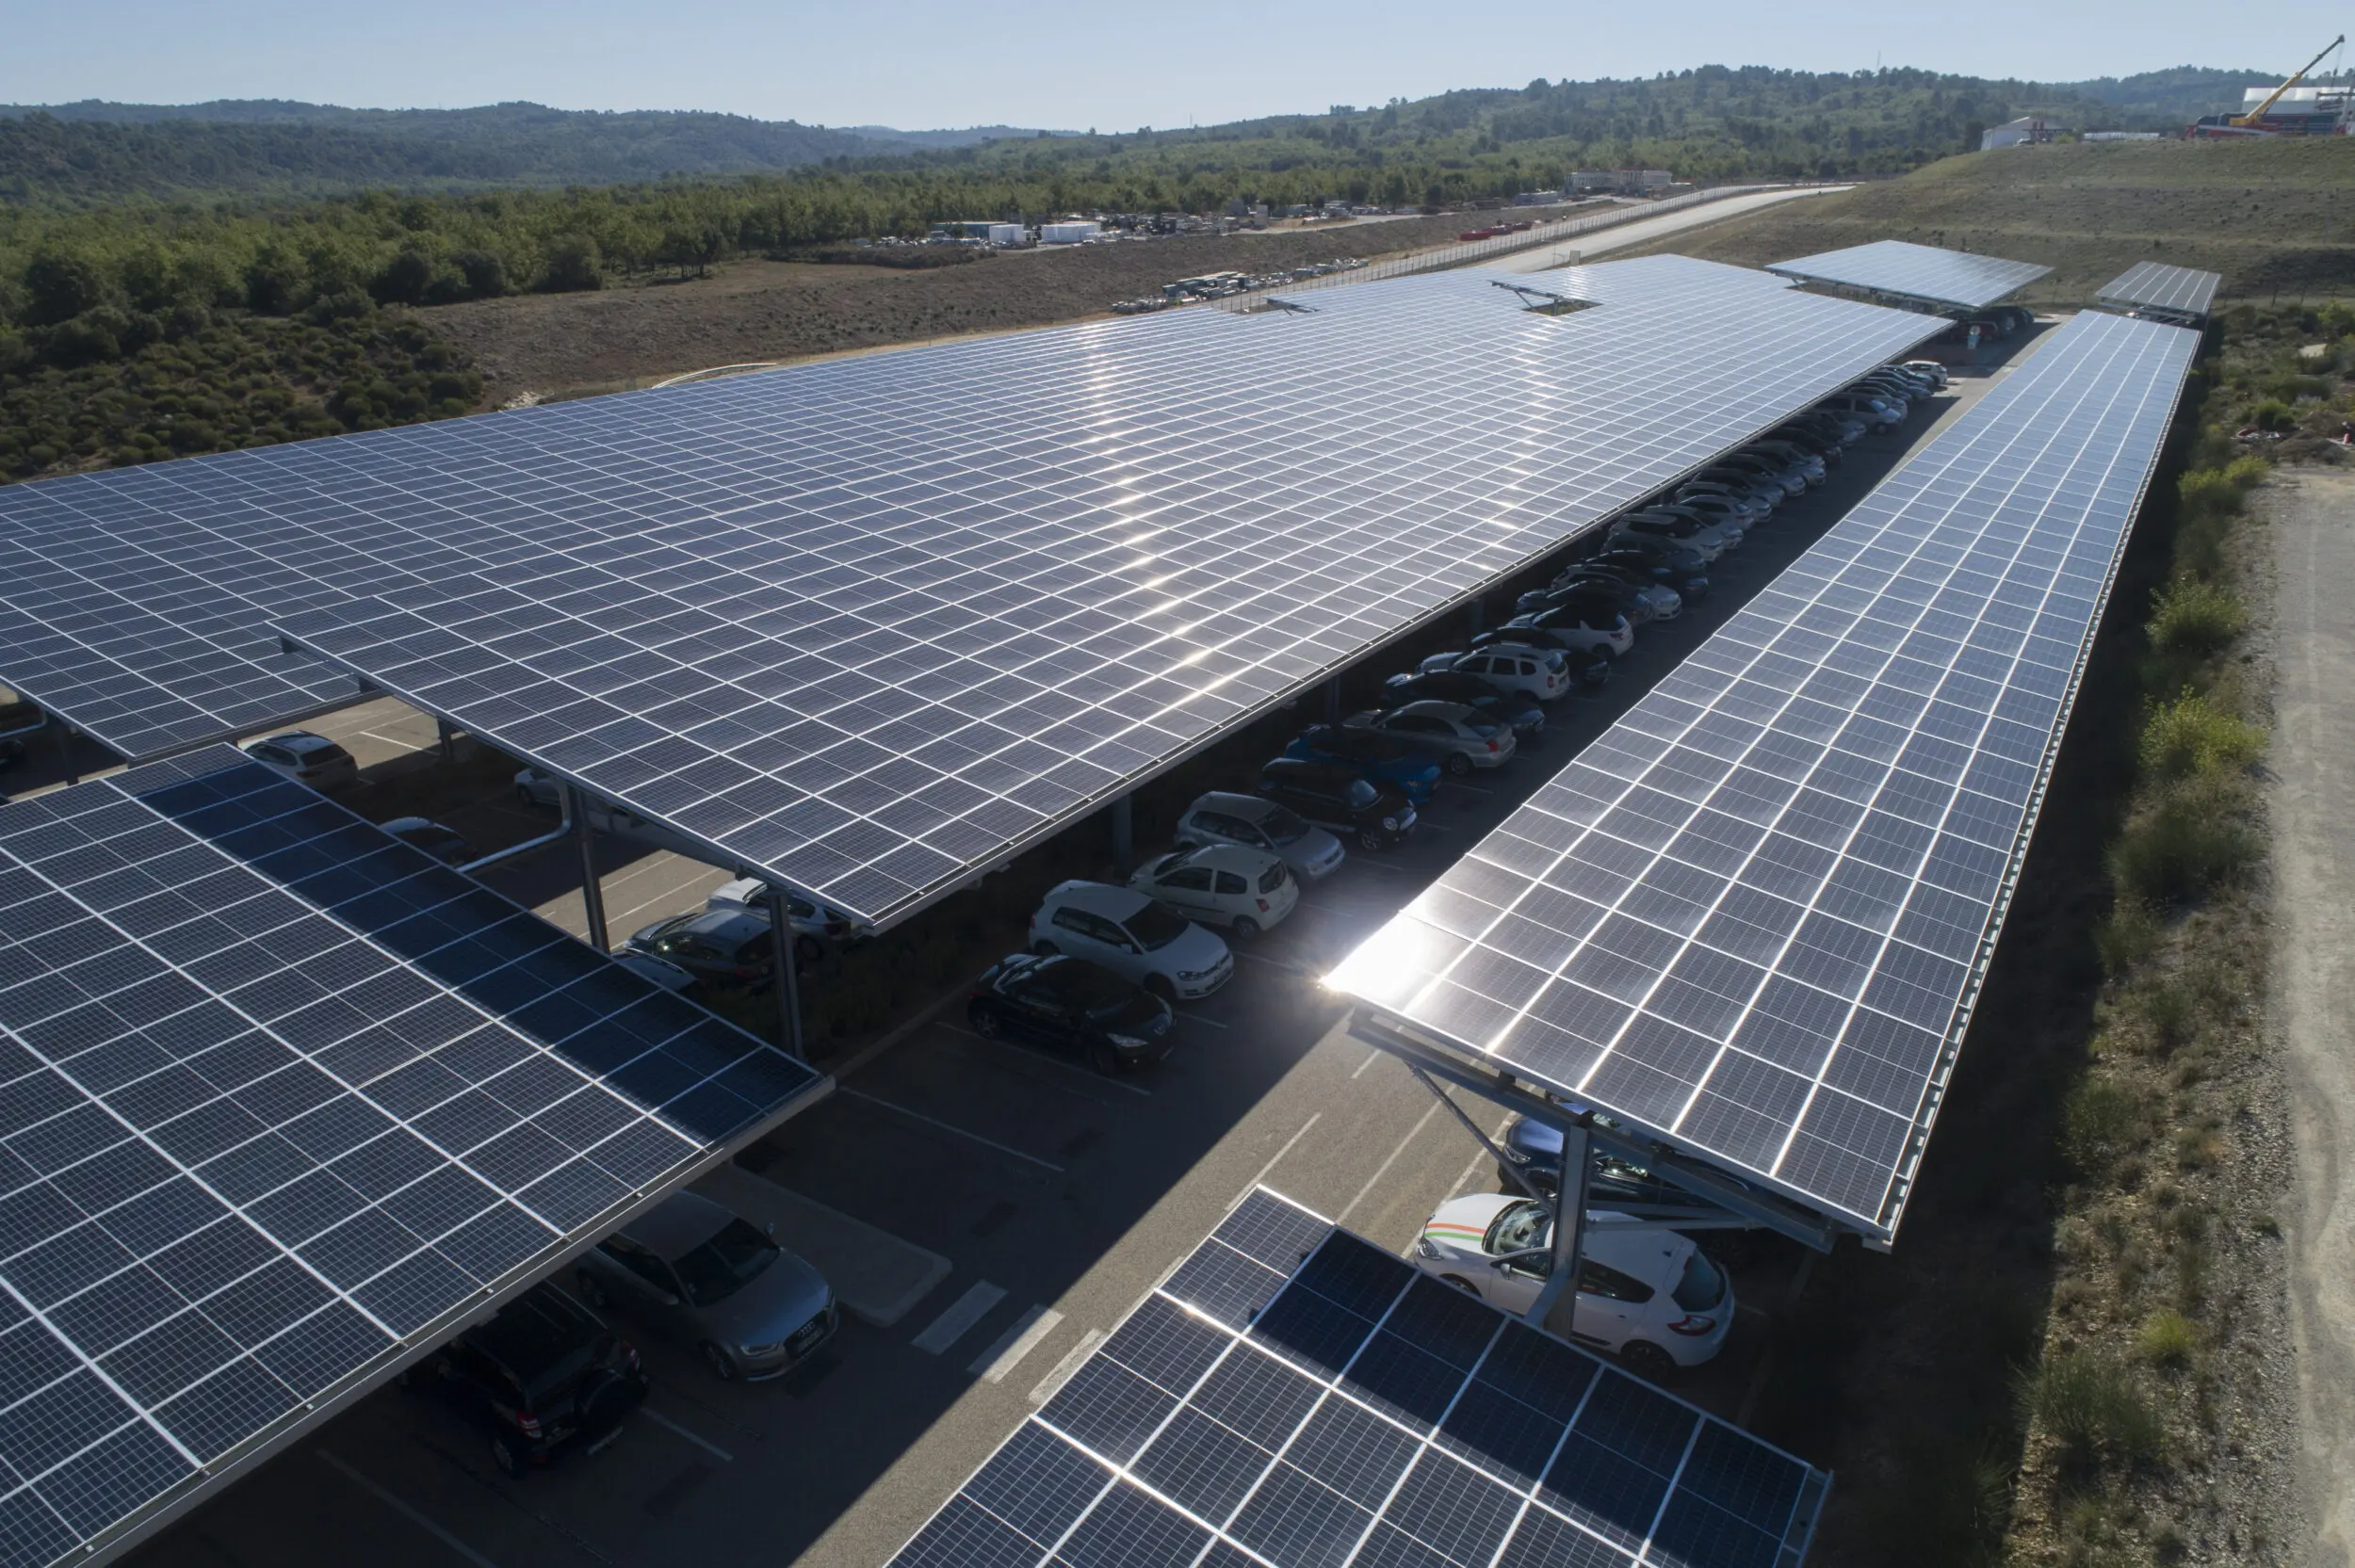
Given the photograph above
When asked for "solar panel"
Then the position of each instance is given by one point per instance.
(1922, 272)
(1750, 919)
(1294, 1396)
(283, 1101)
(2155, 285)
(890, 619)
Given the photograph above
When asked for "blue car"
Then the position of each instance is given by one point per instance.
(1377, 758)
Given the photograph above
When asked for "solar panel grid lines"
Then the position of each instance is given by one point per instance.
(2155, 286)
(1925, 272)
(1752, 916)
(1291, 1395)
(281, 1101)
(946, 691)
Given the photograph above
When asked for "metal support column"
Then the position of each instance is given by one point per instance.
(449, 738)
(65, 753)
(1558, 1304)
(591, 889)
(1505, 1162)
(781, 946)
(1333, 700)
(1475, 618)
(1124, 833)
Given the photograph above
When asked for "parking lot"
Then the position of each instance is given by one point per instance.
(1057, 1197)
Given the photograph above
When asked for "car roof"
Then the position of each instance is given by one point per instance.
(678, 1226)
(1232, 856)
(735, 923)
(1307, 769)
(1114, 903)
(1441, 708)
(407, 824)
(1249, 807)
(542, 1326)
(300, 740)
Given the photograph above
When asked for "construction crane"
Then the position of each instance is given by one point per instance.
(2254, 120)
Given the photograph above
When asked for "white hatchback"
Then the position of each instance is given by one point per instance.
(1644, 1292)
(1135, 936)
(1247, 890)
(1541, 674)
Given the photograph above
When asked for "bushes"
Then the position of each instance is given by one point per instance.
(2090, 1405)
(2192, 617)
(2101, 1123)
(2190, 736)
(2177, 847)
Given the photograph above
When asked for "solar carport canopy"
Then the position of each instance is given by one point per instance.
(1295, 1397)
(1749, 920)
(868, 627)
(2155, 286)
(1895, 267)
(283, 1102)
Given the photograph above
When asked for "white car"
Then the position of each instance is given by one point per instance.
(1645, 1293)
(1930, 370)
(814, 925)
(1541, 674)
(1247, 890)
(306, 758)
(1221, 818)
(1138, 938)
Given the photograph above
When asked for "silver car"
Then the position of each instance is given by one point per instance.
(714, 1280)
(1221, 818)
(1459, 738)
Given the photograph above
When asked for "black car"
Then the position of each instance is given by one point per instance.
(1453, 686)
(1579, 585)
(1339, 802)
(1690, 581)
(545, 1372)
(721, 946)
(1070, 1005)
(1816, 433)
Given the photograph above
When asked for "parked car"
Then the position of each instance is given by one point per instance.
(816, 926)
(1665, 558)
(1523, 670)
(1339, 801)
(717, 946)
(1580, 624)
(1533, 1150)
(1667, 602)
(1222, 818)
(1641, 603)
(1245, 891)
(1809, 462)
(1378, 759)
(1671, 526)
(544, 1373)
(442, 843)
(1526, 718)
(1459, 738)
(1875, 411)
(1071, 1005)
(1782, 480)
(715, 1281)
(1930, 370)
(1645, 1293)
(1747, 504)
(661, 972)
(1138, 938)
(306, 758)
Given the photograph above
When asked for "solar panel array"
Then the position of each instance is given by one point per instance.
(1294, 1396)
(868, 627)
(2155, 286)
(280, 1098)
(1916, 271)
(1751, 917)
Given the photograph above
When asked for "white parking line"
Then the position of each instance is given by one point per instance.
(411, 744)
(949, 1126)
(1280, 1154)
(704, 1443)
(1197, 1018)
(1476, 789)
(960, 1315)
(436, 1531)
(992, 1365)
(1382, 1170)
(1097, 1078)
(1371, 1057)
(1054, 1381)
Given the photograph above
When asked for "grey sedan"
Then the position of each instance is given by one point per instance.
(712, 1280)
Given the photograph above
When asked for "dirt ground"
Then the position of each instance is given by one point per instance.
(557, 344)
(2313, 523)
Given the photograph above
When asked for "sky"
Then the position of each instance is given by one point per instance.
(921, 64)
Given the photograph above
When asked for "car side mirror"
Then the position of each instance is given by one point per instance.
(667, 1299)
(772, 1229)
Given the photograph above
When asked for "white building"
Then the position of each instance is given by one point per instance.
(2016, 133)
(1069, 232)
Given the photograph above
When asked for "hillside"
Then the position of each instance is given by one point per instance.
(2272, 216)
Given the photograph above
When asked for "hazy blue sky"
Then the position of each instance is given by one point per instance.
(924, 63)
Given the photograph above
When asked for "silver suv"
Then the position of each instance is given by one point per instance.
(750, 1308)
(1220, 817)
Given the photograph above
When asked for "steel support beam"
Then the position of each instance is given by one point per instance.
(1124, 833)
(65, 755)
(1333, 700)
(1504, 1162)
(448, 738)
(1773, 1213)
(591, 889)
(1558, 1304)
(781, 946)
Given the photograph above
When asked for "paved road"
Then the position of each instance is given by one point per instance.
(1586, 248)
(2314, 826)
(1060, 1198)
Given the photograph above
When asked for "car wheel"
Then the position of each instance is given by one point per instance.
(1368, 840)
(1647, 1360)
(1045, 949)
(721, 1364)
(504, 1455)
(1159, 986)
(590, 1291)
(987, 1024)
(1244, 929)
(1458, 763)
(1460, 1283)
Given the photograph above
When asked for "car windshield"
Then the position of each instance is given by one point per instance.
(1702, 1284)
(1282, 826)
(1362, 794)
(1098, 993)
(1156, 926)
(1519, 1228)
(726, 1264)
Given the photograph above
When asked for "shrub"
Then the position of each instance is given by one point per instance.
(2191, 735)
(2188, 616)
(2168, 1339)
(2100, 1121)
(2089, 1403)
(573, 263)
(2187, 842)
(2124, 937)
(2273, 414)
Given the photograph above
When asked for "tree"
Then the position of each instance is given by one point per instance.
(275, 281)
(60, 285)
(572, 264)
(403, 279)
